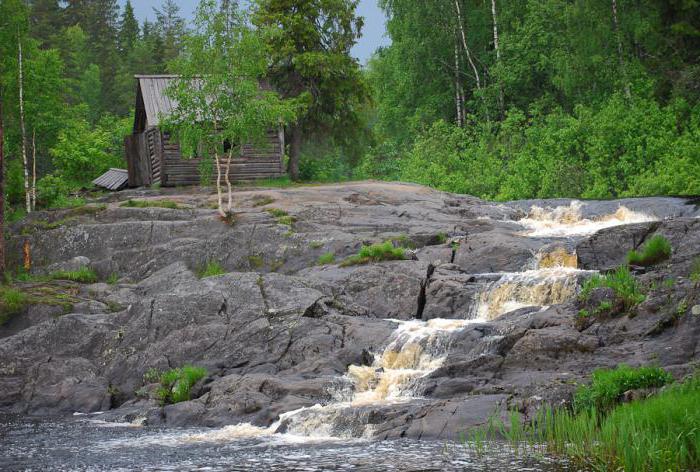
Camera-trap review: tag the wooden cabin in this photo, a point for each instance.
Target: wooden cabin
(153, 158)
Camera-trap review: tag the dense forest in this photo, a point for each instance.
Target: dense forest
(503, 100)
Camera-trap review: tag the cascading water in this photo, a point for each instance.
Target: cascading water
(418, 347)
(564, 221)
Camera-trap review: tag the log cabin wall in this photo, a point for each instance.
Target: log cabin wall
(153, 158)
(262, 161)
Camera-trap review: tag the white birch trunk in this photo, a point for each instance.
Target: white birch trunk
(620, 57)
(464, 45)
(27, 196)
(228, 182)
(458, 97)
(495, 30)
(218, 185)
(33, 169)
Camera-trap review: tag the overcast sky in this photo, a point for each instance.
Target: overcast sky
(372, 37)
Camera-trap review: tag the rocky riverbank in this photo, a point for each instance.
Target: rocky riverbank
(370, 344)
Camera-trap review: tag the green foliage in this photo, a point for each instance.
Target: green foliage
(375, 253)
(657, 434)
(113, 278)
(176, 384)
(656, 250)
(695, 270)
(303, 52)
(622, 281)
(213, 104)
(211, 269)
(151, 203)
(12, 303)
(281, 216)
(607, 386)
(326, 258)
(83, 275)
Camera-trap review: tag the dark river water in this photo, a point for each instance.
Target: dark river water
(87, 444)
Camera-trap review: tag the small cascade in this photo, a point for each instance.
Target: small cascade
(539, 287)
(558, 257)
(416, 348)
(564, 221)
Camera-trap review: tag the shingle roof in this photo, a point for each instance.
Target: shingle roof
(113, 179)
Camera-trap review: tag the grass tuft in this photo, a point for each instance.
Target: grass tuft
(12, 303)
(375, 253)
(327, 258)
(84, 275)
(176, 384)
(151, 204)
(608, 385)
(656, 250)
(211, 269)
(622, 281)
(695, 270)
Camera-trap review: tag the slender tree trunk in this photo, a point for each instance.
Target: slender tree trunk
(620, 56)
(218, 185)
(294, 152)
(464, 45)
(2, 192)
(495, 30)
(33, 169)
(27, 195)
(228, 182)
(497, 48)
(458, 98)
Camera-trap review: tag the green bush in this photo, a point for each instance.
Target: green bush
(656, 250)
(281, 216)
(621, 281)
(83, 275)
(327, 258)
(175, 384)
(375, 253)
(607, 385)
(211, 269)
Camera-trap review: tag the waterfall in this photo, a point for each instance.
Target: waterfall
(564, 221)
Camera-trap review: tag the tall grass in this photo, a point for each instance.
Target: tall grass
(607, 385)
(176, 384)
(621, 281)
(375, 253)
(661, 433)
(656, 250)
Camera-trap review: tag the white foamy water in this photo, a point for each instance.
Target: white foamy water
(565, 221)
(540, 287)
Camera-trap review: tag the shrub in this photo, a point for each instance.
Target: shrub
(621, 281)
(176, 384)
(656, 250)
(12, 302)
(607, 385)
(211, 269)
(83, 275)
(151, 203)
(327, 258)
(375, 253)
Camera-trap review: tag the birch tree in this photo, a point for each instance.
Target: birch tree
(620, 56)
(23, 130)
(220, 103)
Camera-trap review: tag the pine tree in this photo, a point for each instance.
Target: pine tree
(128, 30)
(170, 27)
(45, 20)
